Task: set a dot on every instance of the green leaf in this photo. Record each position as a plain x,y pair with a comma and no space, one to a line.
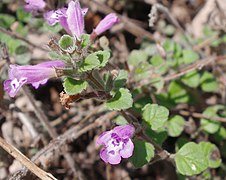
143,71
23,15
46,27
158,136
72,86
67,43
120,120
85,40
189,56
54,55
136,57
177,93
208,125
121,79
208,82
103,57
22,55
181,141
159,64
6,20
191,79
121,100
220,135
155,116
212,153
143,153
175,125
169,45
158,83
89,63
22,30
190,159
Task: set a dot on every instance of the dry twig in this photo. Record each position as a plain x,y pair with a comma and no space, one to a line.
25,161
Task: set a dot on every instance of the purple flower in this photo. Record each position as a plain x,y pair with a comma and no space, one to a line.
28,74
106,23
71,18
117,143
34,5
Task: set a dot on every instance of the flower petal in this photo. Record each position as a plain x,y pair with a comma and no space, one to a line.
13,86
127,150
103,155
75,19
106,23
114,157
104,138
124,131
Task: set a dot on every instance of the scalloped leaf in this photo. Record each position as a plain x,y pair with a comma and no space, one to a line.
190,159
143,153
155,116
121,100
73,86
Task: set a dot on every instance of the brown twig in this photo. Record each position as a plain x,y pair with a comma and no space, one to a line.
199,115
16,36
198,65
25,161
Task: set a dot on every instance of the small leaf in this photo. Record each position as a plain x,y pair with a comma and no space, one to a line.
121,100
212,153
22,55
103,57
46,27
121,79
89,63
85,40
54,55
143,71
189,56
158,83
158,136
208,82
169,45
208,125
177,93
191,79
143,153
175,125
220,135
136,57
67,43
155,116
159,64
23,15
6,20
190,159
72,86
120,120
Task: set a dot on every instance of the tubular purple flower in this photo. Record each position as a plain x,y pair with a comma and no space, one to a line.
117,144
30,74
34,5
106,23
71,18
75,19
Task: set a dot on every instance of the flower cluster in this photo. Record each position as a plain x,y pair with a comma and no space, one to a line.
72,19
117,144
